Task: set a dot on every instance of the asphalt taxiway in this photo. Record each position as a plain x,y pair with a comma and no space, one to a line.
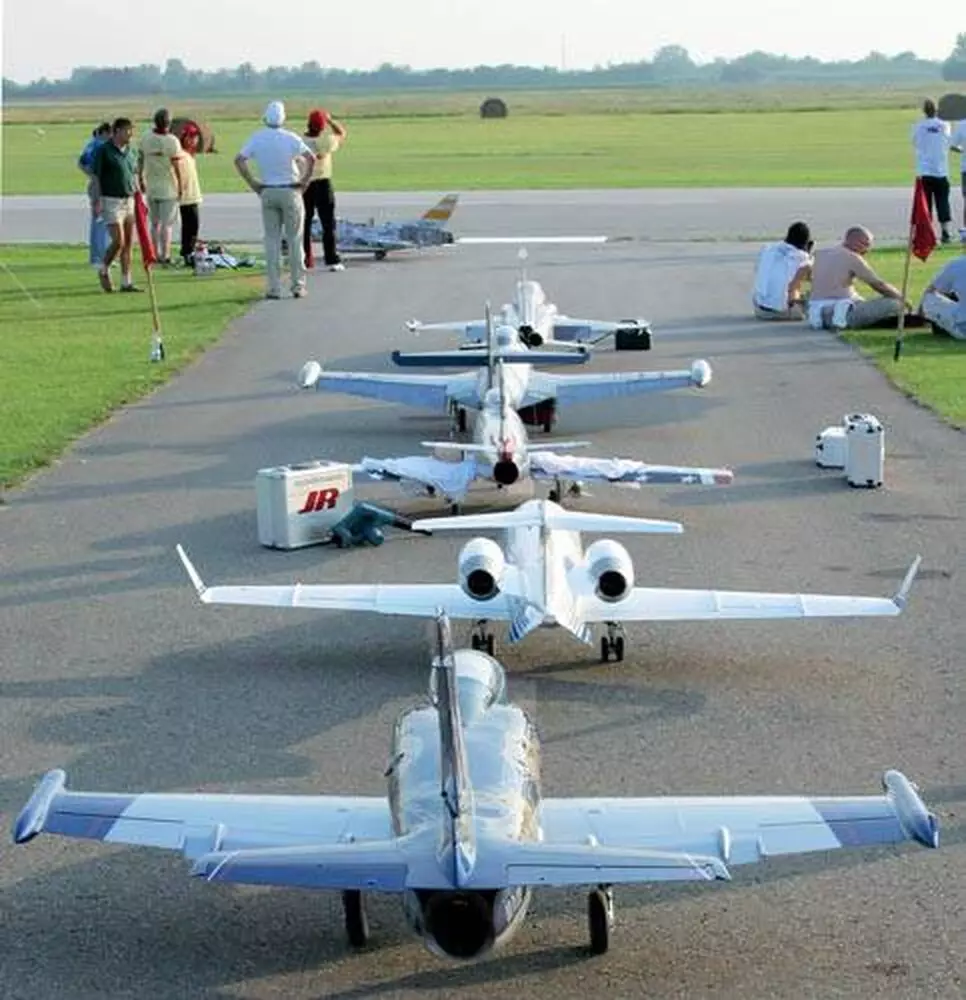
112,669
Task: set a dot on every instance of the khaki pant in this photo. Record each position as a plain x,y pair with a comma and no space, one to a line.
943,312
283,212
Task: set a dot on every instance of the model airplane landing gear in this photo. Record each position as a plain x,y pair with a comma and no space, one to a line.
600,918
380,254
482,639
356,921
558,491
458,420
613,642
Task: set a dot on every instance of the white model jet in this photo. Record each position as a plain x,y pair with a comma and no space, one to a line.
536,395
502,453
545,577
538,321
463,835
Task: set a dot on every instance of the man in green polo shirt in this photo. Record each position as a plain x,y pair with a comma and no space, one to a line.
114,181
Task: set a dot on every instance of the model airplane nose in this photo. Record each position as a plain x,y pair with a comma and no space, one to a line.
506,472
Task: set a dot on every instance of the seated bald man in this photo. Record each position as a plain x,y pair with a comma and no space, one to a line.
944,300
835,302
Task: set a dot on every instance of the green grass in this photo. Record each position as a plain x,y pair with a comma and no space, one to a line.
70,354
931,369
542,148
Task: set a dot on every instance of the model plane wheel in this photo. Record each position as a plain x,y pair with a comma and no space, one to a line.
599,919
553,496
604,649
356,921
619,648
489,644
380,255
461,420
475,641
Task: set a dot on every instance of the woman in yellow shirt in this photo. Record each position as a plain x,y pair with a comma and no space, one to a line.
190,194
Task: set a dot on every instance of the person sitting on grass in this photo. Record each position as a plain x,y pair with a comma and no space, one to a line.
835,303
782,270
944,300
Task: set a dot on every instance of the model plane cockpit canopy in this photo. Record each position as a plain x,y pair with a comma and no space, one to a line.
610,570
481,568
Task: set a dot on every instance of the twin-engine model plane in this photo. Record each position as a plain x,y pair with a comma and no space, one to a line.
535,395
538,322
464,835
543,576
383,238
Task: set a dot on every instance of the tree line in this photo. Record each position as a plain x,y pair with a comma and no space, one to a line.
671,64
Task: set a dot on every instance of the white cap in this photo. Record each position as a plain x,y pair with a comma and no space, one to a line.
274,114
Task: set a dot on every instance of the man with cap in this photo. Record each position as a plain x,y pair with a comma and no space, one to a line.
284,164
319,195
161,179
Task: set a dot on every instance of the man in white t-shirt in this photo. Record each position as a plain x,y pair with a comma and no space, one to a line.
944,300
930,136
284,165
957,141
782,269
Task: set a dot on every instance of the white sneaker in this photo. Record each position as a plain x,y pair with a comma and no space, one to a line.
337,267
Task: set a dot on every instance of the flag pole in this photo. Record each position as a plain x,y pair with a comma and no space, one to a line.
148,258
157,344
901,328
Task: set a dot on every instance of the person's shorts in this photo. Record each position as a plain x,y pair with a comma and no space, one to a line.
163,211
114,211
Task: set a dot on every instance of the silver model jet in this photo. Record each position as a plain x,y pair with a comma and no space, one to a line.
464,835
543,576
383,238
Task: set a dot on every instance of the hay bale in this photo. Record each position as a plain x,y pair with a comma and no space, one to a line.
493,107
952,107
207,144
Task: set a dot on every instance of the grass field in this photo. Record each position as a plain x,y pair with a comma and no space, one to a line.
70,355
931,369
585,139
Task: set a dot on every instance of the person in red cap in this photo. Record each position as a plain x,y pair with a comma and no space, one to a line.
319,195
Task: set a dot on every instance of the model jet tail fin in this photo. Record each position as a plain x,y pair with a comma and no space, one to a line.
902,594
442,210
454,768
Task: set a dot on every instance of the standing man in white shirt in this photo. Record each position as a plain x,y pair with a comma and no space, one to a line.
782,270
284,165
958,142
930,137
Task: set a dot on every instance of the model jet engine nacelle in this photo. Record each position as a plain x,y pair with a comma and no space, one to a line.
529,336
481,568
610,570
465,925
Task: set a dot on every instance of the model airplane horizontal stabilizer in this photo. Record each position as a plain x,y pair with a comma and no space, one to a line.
543,514
472,359
498,240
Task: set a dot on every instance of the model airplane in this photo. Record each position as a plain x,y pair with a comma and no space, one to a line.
501,453
463,835
538,322
544,576
536,395
385,237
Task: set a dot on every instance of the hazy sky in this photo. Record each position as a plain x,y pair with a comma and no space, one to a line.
51,37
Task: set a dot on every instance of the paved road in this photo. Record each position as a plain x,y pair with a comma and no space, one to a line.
673,214
111,668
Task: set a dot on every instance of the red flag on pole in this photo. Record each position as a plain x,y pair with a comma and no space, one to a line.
148,256
923,234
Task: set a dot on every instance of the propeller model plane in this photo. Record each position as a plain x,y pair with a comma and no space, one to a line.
543,576
463,835
536,395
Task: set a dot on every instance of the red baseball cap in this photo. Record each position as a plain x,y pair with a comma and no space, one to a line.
317,119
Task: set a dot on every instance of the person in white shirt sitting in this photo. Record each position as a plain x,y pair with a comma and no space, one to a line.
944,300
782,270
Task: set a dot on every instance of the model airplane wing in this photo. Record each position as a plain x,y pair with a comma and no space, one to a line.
420,600
196,824
571,389
669,604
622,471
429,392
450,479
743,830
